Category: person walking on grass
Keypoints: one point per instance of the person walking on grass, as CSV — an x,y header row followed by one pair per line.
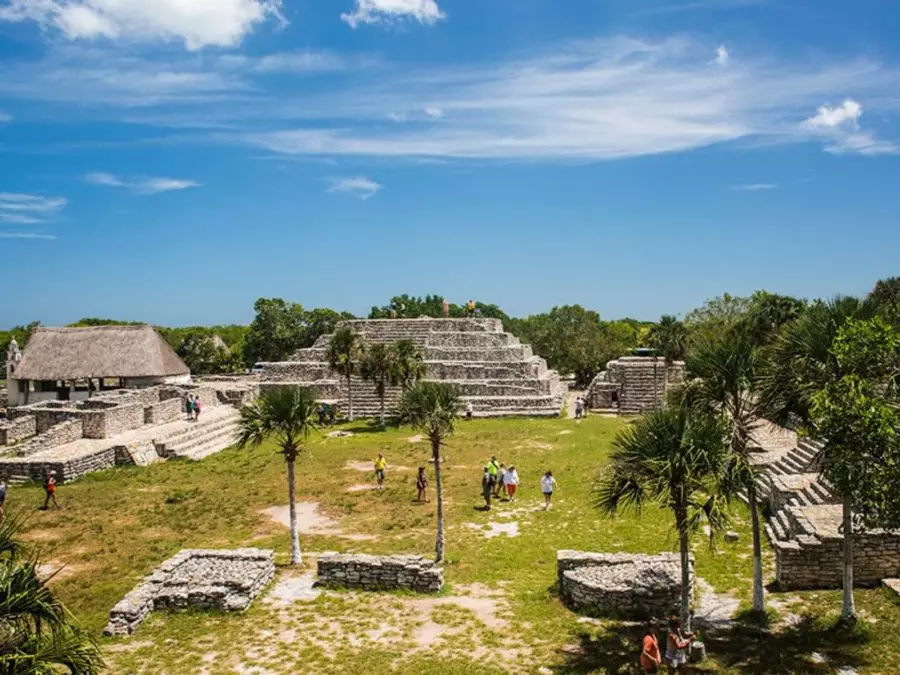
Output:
x,y
494,470
650,656
501,478
50,491
487,487
677,644
511,482
548,485
579,408
422,485
380,467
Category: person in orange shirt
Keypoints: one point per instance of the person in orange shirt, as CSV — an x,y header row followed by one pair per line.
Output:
x,y
650,656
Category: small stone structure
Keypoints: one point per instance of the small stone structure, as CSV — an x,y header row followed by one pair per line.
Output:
x,y
634,384
17,430
197,578
380,572
621,585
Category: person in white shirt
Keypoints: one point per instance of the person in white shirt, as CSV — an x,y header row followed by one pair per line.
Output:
x,y
548,484
511,481
469,410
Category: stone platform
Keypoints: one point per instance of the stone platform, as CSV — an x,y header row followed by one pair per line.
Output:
x,y
490,368
380,572
619,584
228,580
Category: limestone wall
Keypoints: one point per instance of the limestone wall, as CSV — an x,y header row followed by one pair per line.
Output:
x,y
619,584
17,430
635,384
67,431
370,572
104,419
164,411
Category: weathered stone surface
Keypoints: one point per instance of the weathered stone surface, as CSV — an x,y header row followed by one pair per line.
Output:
x,y
619,584
198,578
634,384
17,430
386,572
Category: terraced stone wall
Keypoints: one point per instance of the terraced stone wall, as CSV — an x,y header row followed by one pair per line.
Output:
x,y
17,430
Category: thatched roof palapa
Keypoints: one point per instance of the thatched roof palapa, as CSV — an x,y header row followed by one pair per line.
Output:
x,y
98,351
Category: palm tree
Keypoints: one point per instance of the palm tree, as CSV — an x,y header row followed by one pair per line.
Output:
x,y
410,363
432,407
287,414
379,364
344,352
669,338
674,458
728,371
37,632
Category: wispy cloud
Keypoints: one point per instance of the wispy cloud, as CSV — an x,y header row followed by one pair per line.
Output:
x,y
5,117
223,23
26,235
19,218
358,186
722,55
387,11
17,201
434,112
755,187
144,186
702,6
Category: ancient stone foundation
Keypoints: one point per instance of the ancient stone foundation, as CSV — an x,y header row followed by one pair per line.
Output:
x,y
380,572
619,584
634,384
196,578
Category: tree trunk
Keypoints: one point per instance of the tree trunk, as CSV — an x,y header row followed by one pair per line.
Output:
x,y
439,487
685,551
296,555
848,609
759,600
349,399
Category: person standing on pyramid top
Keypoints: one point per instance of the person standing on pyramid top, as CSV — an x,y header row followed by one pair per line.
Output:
x,y
470,308
445,306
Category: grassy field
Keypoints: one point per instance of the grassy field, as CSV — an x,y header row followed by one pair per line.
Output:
x,y
499,611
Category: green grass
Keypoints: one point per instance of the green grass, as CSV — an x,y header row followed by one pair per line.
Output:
x,y
117,525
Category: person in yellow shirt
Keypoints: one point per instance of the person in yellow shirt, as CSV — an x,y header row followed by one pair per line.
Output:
x,y
380,466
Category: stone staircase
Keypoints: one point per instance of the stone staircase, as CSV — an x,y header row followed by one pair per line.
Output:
x,y
203,438
796,461
490,368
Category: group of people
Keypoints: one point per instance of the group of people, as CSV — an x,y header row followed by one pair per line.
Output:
x,y
326,411
581,407
193,406
498,480
677,643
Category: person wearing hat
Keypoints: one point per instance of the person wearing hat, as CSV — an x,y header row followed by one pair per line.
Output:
x,y
50,490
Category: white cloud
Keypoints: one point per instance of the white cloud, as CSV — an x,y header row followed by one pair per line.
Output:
x,y
198,23
144,186
16,201
848,113
434,112
5,117
397,117
386,11
722,55
19,218
26,235
755,187
358,186
861,143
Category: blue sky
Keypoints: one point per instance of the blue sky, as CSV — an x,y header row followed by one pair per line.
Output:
x,y
172,161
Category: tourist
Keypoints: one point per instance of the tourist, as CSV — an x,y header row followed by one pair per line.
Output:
x,y
380,466
322,410
189,406
548,485
197,407
650,657
331,414
501,476
487,486
2,499
511,481
422,485
470,308
677,644
584,406
470,409
50,491
493,470
445,307
579,408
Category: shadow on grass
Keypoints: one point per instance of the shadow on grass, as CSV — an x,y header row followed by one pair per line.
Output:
x,y
744,649
359,427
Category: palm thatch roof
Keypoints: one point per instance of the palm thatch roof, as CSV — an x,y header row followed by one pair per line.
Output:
x,y
98,351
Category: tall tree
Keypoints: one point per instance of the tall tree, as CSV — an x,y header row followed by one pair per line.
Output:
x,y
728,370
715,315
858,416
768,312
675,458
37,632
669,338
379,365
278,330
344,352
410,363
432,407
287,415
885,298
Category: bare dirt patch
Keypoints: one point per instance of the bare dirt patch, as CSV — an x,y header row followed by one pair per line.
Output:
x,y
564,432
41,535
714,610
55,570
361,487
418,438
291,589
311,521
494,529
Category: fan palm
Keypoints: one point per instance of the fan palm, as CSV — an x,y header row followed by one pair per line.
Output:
x,y
432,407
728,371
669,338
344,352
410,363
288,415
379,364
674,458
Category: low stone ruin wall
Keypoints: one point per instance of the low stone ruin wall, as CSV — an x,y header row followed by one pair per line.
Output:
x,y
164,411
619,584
17,430
195,578
66,470
67,431
386,572
103,419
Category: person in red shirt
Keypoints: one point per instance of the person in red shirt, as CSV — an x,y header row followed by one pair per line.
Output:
x,y
650,656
